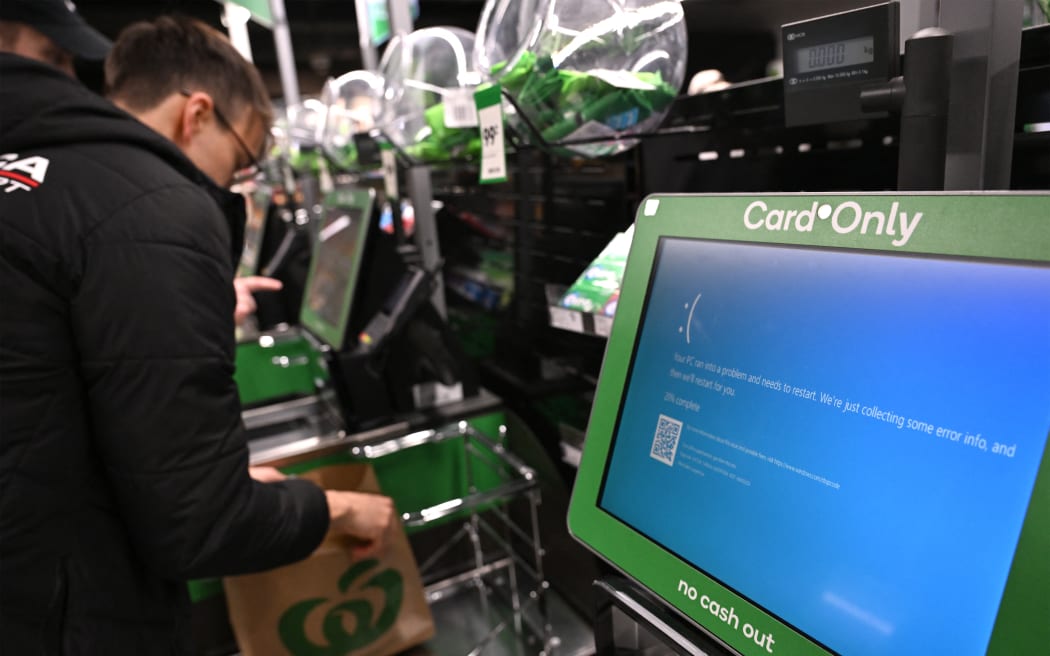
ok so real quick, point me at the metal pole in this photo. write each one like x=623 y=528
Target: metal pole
x=369 y=56
x=422 y=195
x=915 y=15
x=987 y=46
x=400 y=17
x=924 y=114
x=419 y=184
x=524 y=284
x=282 y=40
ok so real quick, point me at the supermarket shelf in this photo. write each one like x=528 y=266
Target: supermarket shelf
x=571 y=454
x=571 y=442
x=585 y=323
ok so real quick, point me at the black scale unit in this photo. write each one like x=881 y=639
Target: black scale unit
x=829 y=61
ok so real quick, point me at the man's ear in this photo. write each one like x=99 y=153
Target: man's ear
x=196 y=112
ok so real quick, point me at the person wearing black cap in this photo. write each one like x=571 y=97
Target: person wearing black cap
x=53 y=32
x=123 y=456
x=49 y=31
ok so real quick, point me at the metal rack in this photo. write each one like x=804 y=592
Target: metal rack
x=493 y=561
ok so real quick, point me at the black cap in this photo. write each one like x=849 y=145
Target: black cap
x=59 y=21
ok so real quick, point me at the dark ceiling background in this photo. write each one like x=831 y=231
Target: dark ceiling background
x=735 y=36
x=324 y=32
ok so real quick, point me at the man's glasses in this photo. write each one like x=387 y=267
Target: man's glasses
x=253 y=167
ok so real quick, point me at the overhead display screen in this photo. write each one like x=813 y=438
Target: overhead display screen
x=847 y=440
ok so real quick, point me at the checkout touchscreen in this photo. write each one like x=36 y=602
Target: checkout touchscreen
x=821 y=425
x=336 y=265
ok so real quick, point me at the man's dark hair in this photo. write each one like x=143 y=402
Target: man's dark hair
x=8 y=34
x=151 y=60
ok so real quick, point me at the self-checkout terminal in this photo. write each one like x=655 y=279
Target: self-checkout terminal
x=393 y=389
x=368 y=298
x=822 y=421
x=821 y=425
x=354 y=382
x=368 y=346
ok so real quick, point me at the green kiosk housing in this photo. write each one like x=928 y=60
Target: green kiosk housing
x=821 y=423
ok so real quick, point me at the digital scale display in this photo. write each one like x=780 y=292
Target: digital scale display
x=850 y=52
x=830 y=60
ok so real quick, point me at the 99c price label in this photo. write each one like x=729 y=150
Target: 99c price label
x=490 y=120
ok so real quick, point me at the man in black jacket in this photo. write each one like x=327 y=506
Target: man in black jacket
x=123 y=461
x=52 y=32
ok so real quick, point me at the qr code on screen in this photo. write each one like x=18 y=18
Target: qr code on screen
x=665 y=440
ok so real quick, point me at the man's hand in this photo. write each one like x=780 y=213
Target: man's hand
x=245 y=287
x=366 y=517
x=266 y=474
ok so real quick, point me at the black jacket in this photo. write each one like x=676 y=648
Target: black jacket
x=123 y=460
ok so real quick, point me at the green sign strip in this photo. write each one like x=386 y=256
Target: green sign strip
x=260 y=10
x=1009 y=226
x=379 y=19
x=488 y=96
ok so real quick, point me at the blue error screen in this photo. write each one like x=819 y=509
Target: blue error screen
x=849 y=440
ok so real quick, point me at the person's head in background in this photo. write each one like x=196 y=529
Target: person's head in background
x=49 y=31
x=185 y=80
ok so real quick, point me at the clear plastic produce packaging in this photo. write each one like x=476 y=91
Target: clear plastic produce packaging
x=585 y=69
x=302 y=130
x=428 y=94
x=352 y=102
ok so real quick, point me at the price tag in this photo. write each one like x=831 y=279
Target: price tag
x=566 y=319
x=490 y=120
x=389 y=162
x=459 y=108
x=433 y=394
x=571 y=455
x=602 y=325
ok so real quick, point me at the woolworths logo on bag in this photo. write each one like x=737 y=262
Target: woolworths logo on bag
x=890 y=221
x=353 y=611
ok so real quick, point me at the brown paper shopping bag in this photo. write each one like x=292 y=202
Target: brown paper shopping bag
x=330 y=604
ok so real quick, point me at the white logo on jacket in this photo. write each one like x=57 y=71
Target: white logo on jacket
x=22 y=174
